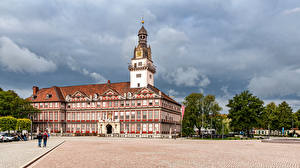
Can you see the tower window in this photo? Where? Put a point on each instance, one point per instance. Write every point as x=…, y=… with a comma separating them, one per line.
x=140, y=64
x=138, y=84
x=150, y=76
x=138, y=75
x=135, y=65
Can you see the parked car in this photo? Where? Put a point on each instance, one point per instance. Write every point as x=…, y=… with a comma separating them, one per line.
x=3, y=138
x=7, y=137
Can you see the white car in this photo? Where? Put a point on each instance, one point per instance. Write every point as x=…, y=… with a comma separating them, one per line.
x=3, y=138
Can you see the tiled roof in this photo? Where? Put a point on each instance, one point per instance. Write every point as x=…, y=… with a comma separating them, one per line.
x=60, y=93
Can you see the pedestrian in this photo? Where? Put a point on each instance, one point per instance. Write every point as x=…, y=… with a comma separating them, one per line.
x=45, y=136
x=39, y=137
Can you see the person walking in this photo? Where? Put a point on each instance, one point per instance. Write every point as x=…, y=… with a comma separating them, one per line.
x=40, y=137
x=45, y=136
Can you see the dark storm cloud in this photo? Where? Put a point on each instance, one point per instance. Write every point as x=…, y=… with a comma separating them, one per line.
x=219, y=47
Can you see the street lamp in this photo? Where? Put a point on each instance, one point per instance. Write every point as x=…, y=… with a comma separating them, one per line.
x=30, y=116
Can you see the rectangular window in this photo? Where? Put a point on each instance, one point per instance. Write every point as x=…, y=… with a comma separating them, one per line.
x=87, y=127
x=150, y=127
x=156, y=102
x=140, y=64
x=55, y=116
x=156, y=113
x=87, y=116
x=93, y=116
x=109, y=104
x=82, y=116
x=122, y=103
x=41, y=105
x=116, y=104
x=98, y=104
x=127, y=127
x=150, y=115
x=104, y=104
x=138, y=103
x=138, y=75
x=138, y=115
x=73, y=105
x=78, y=116
x=138, y=127
x=127, y=102
x=127, y=115
x=121, y=115
x=93, y=104
x=83, y=104
x=132, y=103
x=41, y=116
x=132, y=115
x=56, y=104
x=46, y=105
x=144, y=115
x=73, y=116
x=150, y=102
x=78, y=104
x=93, y=127
x=144, y=127
x=83, y=127
x=144, y=102
x=156, y=127
x=50, y=105
x=51, y=115
x=116, y=116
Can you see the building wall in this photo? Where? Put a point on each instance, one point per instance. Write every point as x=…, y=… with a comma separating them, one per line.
x=135, y=116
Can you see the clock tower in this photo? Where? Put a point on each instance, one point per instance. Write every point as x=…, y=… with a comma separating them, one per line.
x=141, y=67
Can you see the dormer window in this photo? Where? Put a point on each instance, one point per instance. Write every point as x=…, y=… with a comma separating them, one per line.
x=48, y=96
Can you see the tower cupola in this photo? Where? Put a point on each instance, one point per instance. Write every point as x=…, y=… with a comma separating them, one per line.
x=141, y=67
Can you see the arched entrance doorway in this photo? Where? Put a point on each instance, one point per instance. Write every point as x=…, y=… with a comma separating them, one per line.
x=108, y=129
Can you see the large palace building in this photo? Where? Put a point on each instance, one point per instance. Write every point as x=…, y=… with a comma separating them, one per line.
x=128, y=109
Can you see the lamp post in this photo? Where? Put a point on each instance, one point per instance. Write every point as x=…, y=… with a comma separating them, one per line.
x=30, y=125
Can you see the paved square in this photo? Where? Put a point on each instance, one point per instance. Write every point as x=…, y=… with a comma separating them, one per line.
x=116, y=152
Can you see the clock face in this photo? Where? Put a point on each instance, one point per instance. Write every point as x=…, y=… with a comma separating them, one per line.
x=139, y=54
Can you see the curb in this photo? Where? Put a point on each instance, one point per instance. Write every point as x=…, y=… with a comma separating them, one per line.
x=39, y=157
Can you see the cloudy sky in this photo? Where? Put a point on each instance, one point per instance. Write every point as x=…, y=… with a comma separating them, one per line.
x=219, y=47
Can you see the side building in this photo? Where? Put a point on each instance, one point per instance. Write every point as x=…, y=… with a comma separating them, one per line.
x=131, y=109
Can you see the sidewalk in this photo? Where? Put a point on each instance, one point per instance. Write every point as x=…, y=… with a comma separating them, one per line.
x=16, y=154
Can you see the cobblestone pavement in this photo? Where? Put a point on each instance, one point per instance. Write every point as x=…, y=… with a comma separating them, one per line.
x=116, y=152
x=16, y=154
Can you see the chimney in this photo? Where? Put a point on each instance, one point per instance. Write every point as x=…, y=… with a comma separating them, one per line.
x=108, y=81
x=35, y=89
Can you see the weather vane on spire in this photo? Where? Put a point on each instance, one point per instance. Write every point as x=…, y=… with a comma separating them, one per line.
x=142, y=21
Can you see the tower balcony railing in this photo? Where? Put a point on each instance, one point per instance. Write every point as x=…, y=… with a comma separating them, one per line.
x=150, y=67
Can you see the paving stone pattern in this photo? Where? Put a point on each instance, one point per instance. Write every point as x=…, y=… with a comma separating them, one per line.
x=16, y=154
x=117, y=152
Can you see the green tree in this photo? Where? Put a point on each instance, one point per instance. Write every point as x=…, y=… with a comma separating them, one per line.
x=244, y=111
x=285, y=116
x=222, y=124
x=8, y=123
x=200, y=111
x=23, y=124
x=297, y=119
x=12, y=105
x=269, y=118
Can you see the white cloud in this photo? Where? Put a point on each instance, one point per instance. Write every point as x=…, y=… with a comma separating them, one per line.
x=291, y=11
x=73, y=65
x=278, y=83
x=187, y=77
x=17, y=59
